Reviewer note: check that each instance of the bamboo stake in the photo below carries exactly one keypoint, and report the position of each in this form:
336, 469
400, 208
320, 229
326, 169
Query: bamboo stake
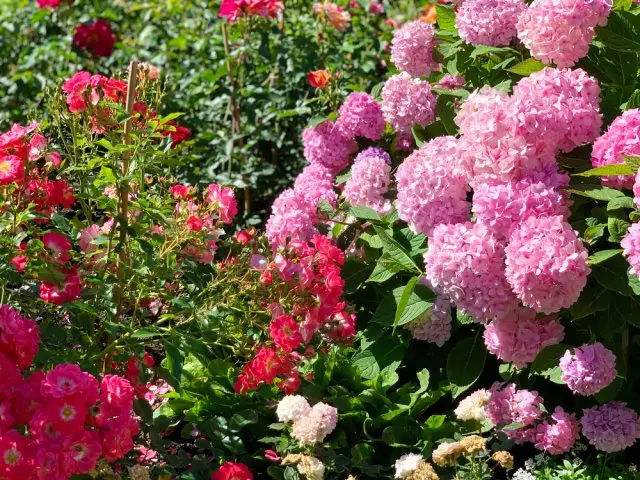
123, 204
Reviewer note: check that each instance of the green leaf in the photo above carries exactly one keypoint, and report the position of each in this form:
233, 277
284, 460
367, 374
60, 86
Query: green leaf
362, 453
395, 250
381, 273
325, 208
633, 162
486, 50
385, 353
595, 192
547, 362
242, 419
445, 107
608, 170
612, 275
622, 32
420, 300
446, 18
526, 68
364, 213
147, 332
594, 233
465, 364
592, 299
617, 228
407, 292
621, 202
602, 256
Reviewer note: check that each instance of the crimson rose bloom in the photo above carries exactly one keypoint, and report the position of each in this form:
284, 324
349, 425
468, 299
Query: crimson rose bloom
96, 36
232, 471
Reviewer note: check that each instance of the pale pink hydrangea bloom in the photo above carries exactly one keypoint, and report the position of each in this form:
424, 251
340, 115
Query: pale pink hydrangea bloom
611, 427
432, 189
621, 139
473, 407
434, 326
560, 31
412, 47
503, 206
292, 407
546, 264
589, 369
315, 183
520, 336
315, 426
631, 248
450, 82
557, 434
560, 105
407, 102
407, 464
325, 145
509, 405
466, 262
292, 218
361, 116
636, 190
489, 22
369, 180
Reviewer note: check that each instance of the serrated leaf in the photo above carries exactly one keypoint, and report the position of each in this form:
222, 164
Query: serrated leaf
526, 68
595, 192
446, 18
407, 292
602, 256
622, 32
620, 202
364, 213
395, 250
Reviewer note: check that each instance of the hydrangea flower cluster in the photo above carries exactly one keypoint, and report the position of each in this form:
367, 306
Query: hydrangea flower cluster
509, 405
310, 425
292, 219
520, 336
369, 180
306, 276
57, 424
96, 37
466, 261
412, 48
611, 427
361, 116
546, 264
315, 183
620, 139
432, 189
561, 31
407, 102
557, 434
413, 467
489, 22
434, 326
589, 369
450, 82
326, 145
631, 248
473, 407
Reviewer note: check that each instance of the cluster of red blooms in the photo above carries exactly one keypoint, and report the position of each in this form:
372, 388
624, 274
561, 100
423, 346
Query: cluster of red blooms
202, 218
232, 471
58, 424
51, 3
311, 274
86, 93
95, 37
232, 10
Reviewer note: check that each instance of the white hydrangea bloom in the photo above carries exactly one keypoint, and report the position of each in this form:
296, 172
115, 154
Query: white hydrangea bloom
407, 464
292, 407
473, 406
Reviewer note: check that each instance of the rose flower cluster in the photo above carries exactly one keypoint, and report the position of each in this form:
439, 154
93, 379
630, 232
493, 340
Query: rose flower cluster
56, 424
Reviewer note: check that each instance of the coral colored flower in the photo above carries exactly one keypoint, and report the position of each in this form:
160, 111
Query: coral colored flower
319, 78
96, 36
337, 16
285, 332
58, 193
611, 427
225, 200
412, 47
232, 471
589, 369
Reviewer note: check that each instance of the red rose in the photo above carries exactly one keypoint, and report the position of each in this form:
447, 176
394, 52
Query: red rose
97, 37
319, 78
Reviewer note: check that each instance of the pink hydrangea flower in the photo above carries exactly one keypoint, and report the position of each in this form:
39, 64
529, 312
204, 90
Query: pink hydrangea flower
466, 262
489, 22
509, 405
412, 47
435, 325
611, 427
314, 427
292, 219
432, 188
315, 183
631, 248
361, 116
520, 336
561, 105
324, 144
561, 31
369, 180
620, 139
450, 82
589, 369
557, 434
636, 189
503, 206
546, 264
407, 102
